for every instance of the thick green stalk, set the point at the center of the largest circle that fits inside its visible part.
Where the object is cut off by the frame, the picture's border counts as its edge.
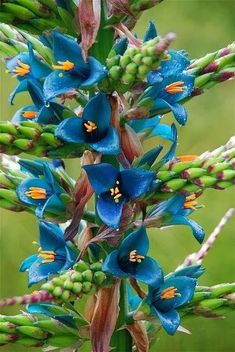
(121, 339)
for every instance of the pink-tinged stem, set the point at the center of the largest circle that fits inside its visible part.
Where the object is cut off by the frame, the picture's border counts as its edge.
(197, 257)
(35, 297)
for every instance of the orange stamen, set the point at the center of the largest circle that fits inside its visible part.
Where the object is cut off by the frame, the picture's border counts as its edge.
(22, 69)
(134, 257)
(29, 114)
(48, 256)
(187, 157)
(175, 87)
(90, 126)
(64, 65)
(115, 193)
(169, 292)
(36, 193)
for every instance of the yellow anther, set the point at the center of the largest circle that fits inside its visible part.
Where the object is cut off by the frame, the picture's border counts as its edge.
(134, 257)
(64, 65)
(175, 87)
(29, 114)
(115, 192)
(90, 126)
(190, 202)
(169, 292)
(36, 193)
(22, 69)
(48, 256)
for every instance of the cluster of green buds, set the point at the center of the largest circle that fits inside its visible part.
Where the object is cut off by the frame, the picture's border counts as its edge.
(82, 279)
(36, 331)
(34, 16)
(194, 174)
(14, 41)
(211, 302)
(136, 62)
(213, 68)
(32, 138)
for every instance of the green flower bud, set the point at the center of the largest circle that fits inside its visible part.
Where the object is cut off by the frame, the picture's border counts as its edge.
(212, 303)
(131, 52)
(137, 59)
(77, 287)
(124, 61)
(64, 276)
(86, 287)
(115, 72)
(29, 342)
(151, 51)
(127, 78)
(62, 340)
(180, 166)
(113, 61)
(19, 319)
(57, 292)
(99, 277)
(56, 281)
(76, 277)
(66, 295)
(6, 338)
(7, 327)
(96, 266)
(165, 175)
(48, 286)
(32, 331)
(68, 285)
(143, 70)
(132, 68)
(147, 61)
(80, 266)
(87, 275)
(174, 185)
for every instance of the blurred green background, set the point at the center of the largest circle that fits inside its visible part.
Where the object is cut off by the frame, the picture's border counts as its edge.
(201, 27)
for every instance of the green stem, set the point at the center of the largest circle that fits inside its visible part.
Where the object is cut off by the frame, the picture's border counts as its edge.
(121, 339)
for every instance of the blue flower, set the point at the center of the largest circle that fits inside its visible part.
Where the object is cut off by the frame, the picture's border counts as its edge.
(71, 71)
(42, 112)
(130, 260)
(54, 255)
(93, 128)
(173, 293)
(168, 86)
(42, 193)
(193, 271)
(153, 127)
(151, 32)
(115, 188)
(175, 211)
(26, 66)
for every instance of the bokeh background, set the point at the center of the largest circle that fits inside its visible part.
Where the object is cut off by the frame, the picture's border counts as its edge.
(202, 26)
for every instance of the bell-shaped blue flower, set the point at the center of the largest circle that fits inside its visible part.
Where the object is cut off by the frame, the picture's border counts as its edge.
(54, 255)
(115, 188)
(168, 86)
(26, 66)
(42, 193)
(194, 271)
(164, 300)
(175, 211)
(130, 260)
(71, 71)
(93, 128)
(42, 112)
